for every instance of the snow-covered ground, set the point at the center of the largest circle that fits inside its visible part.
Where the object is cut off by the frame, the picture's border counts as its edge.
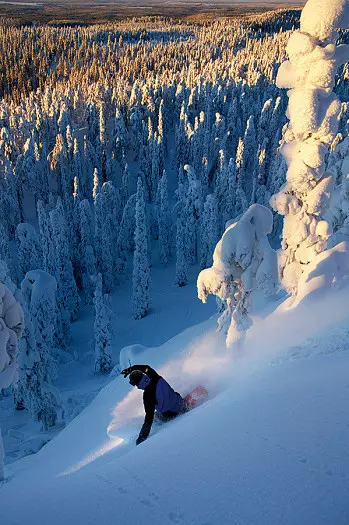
(269, 447)
(173, 310)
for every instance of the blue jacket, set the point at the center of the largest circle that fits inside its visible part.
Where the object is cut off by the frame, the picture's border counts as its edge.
(158, 395)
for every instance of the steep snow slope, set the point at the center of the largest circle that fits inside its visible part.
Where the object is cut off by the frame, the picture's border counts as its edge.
(270, 447)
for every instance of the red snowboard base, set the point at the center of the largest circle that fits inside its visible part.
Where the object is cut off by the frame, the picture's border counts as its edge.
(196, 397)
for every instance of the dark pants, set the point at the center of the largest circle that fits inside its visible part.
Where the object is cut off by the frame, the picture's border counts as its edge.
(166, 416)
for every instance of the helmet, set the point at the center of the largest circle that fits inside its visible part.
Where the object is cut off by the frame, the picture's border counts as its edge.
(139, 379)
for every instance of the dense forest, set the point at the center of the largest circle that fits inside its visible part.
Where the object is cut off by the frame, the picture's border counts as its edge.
(125, 143)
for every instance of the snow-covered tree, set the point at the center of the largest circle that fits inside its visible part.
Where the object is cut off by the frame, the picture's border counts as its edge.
(11, 330)
(37, 366)
(10, 201)
(86, 226)
(192, 211)
(38, 290)
(5, 254)
(313, 111)
(102, 329)
(67, 295)
(125, 242)
(28, 249)
(87, 258)
(125, 185)
(181, 278)
(242, 261)
(249, 155)
(96, 184)
(47, 242)
(26, 167)
(107, 213)
(164, 222)
(141, 266)
(209, 231)
(77, 167)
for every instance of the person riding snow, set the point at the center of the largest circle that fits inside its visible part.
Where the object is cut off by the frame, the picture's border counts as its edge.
(158, 395)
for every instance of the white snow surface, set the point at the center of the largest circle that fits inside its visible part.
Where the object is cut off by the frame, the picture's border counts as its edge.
(269, 447)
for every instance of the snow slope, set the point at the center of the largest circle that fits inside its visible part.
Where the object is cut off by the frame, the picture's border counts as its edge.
(270, 447)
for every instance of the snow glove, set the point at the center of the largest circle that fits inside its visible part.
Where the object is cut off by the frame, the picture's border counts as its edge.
(140, 440)
(126, 371)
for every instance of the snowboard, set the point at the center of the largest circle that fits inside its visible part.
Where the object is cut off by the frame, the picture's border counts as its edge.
(196, 397)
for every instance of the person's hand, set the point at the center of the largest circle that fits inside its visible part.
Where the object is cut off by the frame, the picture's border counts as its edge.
(140, 440)
(126, 372)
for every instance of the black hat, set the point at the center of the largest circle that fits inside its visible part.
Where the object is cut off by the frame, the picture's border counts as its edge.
(135, 377)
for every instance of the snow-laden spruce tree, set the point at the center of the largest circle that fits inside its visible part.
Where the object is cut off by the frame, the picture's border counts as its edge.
(141, 265)
(107, 214)
(11, 330)
(125, 242)
(209, 231)
(10, 210)
(192, 213)
(242, 261)
(102, 329)
(5, 252)
(38, 368)
(96, 184)
(28, 249)
(164, 222)
(32, 391)
(38, 291)
(26, 167)
(47, 242)
(67, 294)
(87, 258)
(313, 111)
(181, 278)
(103, 244)
(125, 185)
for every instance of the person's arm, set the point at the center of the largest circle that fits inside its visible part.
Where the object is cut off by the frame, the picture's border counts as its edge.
(151, 373)
(149, 406)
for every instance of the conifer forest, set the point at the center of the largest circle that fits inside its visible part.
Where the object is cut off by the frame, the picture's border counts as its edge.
(127, 144)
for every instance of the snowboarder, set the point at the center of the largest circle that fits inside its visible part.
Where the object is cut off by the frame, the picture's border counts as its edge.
(158, 395)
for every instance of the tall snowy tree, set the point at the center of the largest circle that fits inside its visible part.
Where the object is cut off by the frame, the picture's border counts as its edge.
(192, 212)
(67, 295)
(164, 222)
(102, 329)
(209, 231)
(28, 249)
(87, 258)
(313, 111)
(141, 265)
(5, 254)
(96, 183)
(125, 185)
(47, 242)
(107, 212)
(125, 242)
(37, 366)
(10, 199)
(181, 277)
